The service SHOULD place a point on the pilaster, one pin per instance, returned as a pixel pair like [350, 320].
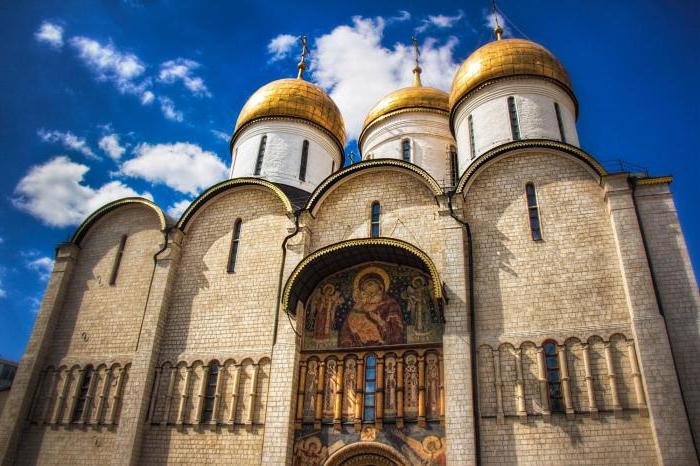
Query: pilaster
[136, 400]
[18, 404]
[668, 419]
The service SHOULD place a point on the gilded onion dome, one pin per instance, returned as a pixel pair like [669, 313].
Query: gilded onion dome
[413, 98]
[294, 98]
[505, 58]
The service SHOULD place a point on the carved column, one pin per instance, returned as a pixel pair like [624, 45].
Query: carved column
[612, 380]
[519, 383]
[589, 381]
[542, 380]
[359, 393]
[300, 396]
[565, 382]
[441, 366]
[101, 402]
[340, 389]
[47, 399]
[320, 381]
[498, 383]
[399, 391]
[253, 395]
[183, 397]
[379, 394]
[201, 395]
[234, 394]
[169, 396]
[26, 379]
[117, 395]
[154, 396]
[637, 379]
[421, 390]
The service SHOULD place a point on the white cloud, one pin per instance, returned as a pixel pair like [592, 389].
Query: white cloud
[182, 69]
[109, 64]
[67, 140]
[221, 135]
[182, 166]
[167, 106]
[176, 210]
[401, 17]
[490, 22]
[55, 193]
[439, 21]
[41, 265]
[147, 98]
[280, 46]
[357, 69]
[110, 145]
[50, 33]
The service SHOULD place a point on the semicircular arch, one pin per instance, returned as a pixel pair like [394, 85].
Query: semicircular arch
[92, 219]
[336, 179]
[367, 453]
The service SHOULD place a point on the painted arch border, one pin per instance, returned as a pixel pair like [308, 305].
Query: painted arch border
[364, 242]
[346, 454]
[224, 186]
[323, 189]
[507, 148]
[89, 222]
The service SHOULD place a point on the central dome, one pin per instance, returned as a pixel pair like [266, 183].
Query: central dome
[505, 58]
[294, 98]
[408, 98]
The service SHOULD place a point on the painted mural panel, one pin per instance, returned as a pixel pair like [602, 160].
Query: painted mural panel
[371, 305]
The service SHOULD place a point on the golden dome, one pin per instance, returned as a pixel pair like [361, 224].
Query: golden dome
[294, 98]
[504, 58]
[407, 98]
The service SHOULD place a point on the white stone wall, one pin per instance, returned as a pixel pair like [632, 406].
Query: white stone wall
[430, 138]
[282, 157]
[534, 100]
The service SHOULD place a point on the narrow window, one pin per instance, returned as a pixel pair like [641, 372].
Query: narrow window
[261, 154]
[304, 159]
[210, 392]
[370, 388]
[514, 125]
[406, 150]
[374, 228]
[553, 377]
[472, 143]
[117, 261]
[454, 166]
[533, 212]
[562, 134]
[82, 395]
[235, 239]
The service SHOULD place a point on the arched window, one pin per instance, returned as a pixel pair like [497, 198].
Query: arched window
[304, 159]
[374, 223]
[406, 150]
[370, 388]
[514, 124]
[553, 376]
[562, 135]
[117, 261]
[472, 141]
[235, 239]
[210, 392]
[261, 154]
[454, 166]
[533, 212]
[83, 392]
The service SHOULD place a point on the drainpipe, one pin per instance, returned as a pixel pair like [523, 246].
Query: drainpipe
[472, 326]
[297, 214]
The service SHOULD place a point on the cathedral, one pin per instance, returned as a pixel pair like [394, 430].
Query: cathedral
[477, 290]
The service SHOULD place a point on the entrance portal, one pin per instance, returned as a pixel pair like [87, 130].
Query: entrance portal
[367, 454]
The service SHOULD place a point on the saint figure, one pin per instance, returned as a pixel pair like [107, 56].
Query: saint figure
[325, 305]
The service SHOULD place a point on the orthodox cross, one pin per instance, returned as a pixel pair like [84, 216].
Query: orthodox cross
[417, 70]
[302, 62]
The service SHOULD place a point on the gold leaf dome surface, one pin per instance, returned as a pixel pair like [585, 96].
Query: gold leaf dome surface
[504, 58]
[294, 98]
[414, 97]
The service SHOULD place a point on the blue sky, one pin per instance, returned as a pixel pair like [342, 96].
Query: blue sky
[95, 97]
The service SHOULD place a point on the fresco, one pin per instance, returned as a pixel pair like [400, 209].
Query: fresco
[371, 305]
[420, 446]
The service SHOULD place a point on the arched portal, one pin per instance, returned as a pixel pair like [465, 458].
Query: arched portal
[370, 370]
